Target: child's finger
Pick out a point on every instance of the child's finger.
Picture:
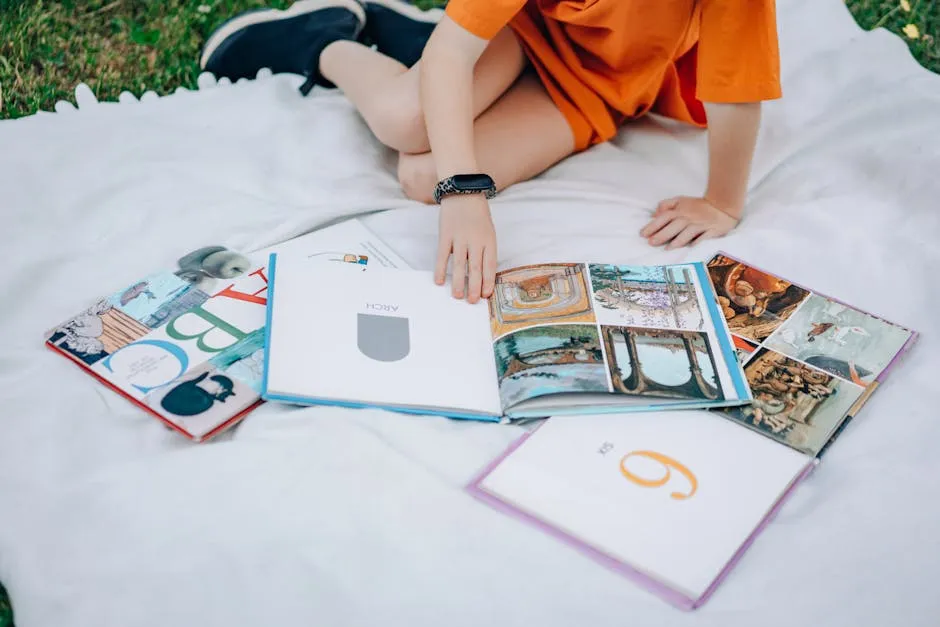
(666, 205)
(459, 275)
(707, 234)
(698, 238)
(688, 234)
(475, 281)
(444, 246)
(489, 270)
(668, 232)
(656, 223)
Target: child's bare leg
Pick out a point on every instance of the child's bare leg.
(520, 136)
(386, 93)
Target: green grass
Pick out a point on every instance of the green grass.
(6, 612)
(47, 48)
(895, 15)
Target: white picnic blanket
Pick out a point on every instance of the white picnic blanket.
(341, 517)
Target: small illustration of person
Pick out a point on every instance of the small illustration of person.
(362, 260)
(198, 395)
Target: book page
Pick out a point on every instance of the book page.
(377, 337)
(811, 361)
(672, 494)
(624, 330)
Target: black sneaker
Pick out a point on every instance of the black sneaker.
(284, 41)
(399, 30)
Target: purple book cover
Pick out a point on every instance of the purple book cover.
(654, 586)
(745, 294)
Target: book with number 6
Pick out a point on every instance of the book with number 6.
(674, 499)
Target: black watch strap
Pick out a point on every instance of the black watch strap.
(465, 184)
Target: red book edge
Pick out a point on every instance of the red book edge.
(108, 384)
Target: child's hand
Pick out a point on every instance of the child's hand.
(466, 230)
(683, 220)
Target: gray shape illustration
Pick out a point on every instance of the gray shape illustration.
(383, 338)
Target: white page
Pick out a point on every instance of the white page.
(317, 350)
(334, 242)
(568, 474)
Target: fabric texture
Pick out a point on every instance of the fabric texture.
(346, 518)
(604, 62)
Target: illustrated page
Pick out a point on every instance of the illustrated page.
(807, 358)
(673, 494)
(381, 337)
(574, 327)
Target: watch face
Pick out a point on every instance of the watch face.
(472, 181)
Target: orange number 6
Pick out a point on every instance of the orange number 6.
(667, 463)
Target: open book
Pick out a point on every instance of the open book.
(186, 343)
(554, 338)
(811, 361)
(643, 495)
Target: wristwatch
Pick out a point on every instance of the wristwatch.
(465, 184)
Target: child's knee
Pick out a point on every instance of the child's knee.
(399, 123)
(418, 176)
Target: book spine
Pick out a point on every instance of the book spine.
(268, 315)
(723, 333)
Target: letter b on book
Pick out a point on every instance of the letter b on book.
(383, 338)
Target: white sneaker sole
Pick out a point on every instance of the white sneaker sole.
(431, 16)
(272, 15)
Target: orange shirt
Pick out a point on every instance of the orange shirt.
(604, 62)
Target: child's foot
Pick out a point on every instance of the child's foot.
(399, 30)
(288, 41)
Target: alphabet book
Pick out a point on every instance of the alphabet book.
(186, 344)
(554, 338)
(673, 499)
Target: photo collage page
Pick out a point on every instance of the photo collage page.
(574, 327)
(808, 359)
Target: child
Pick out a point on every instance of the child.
(507, 88)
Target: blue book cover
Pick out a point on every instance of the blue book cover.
(553, 339)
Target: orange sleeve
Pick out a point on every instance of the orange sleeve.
(483, 18)
(738, 51)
